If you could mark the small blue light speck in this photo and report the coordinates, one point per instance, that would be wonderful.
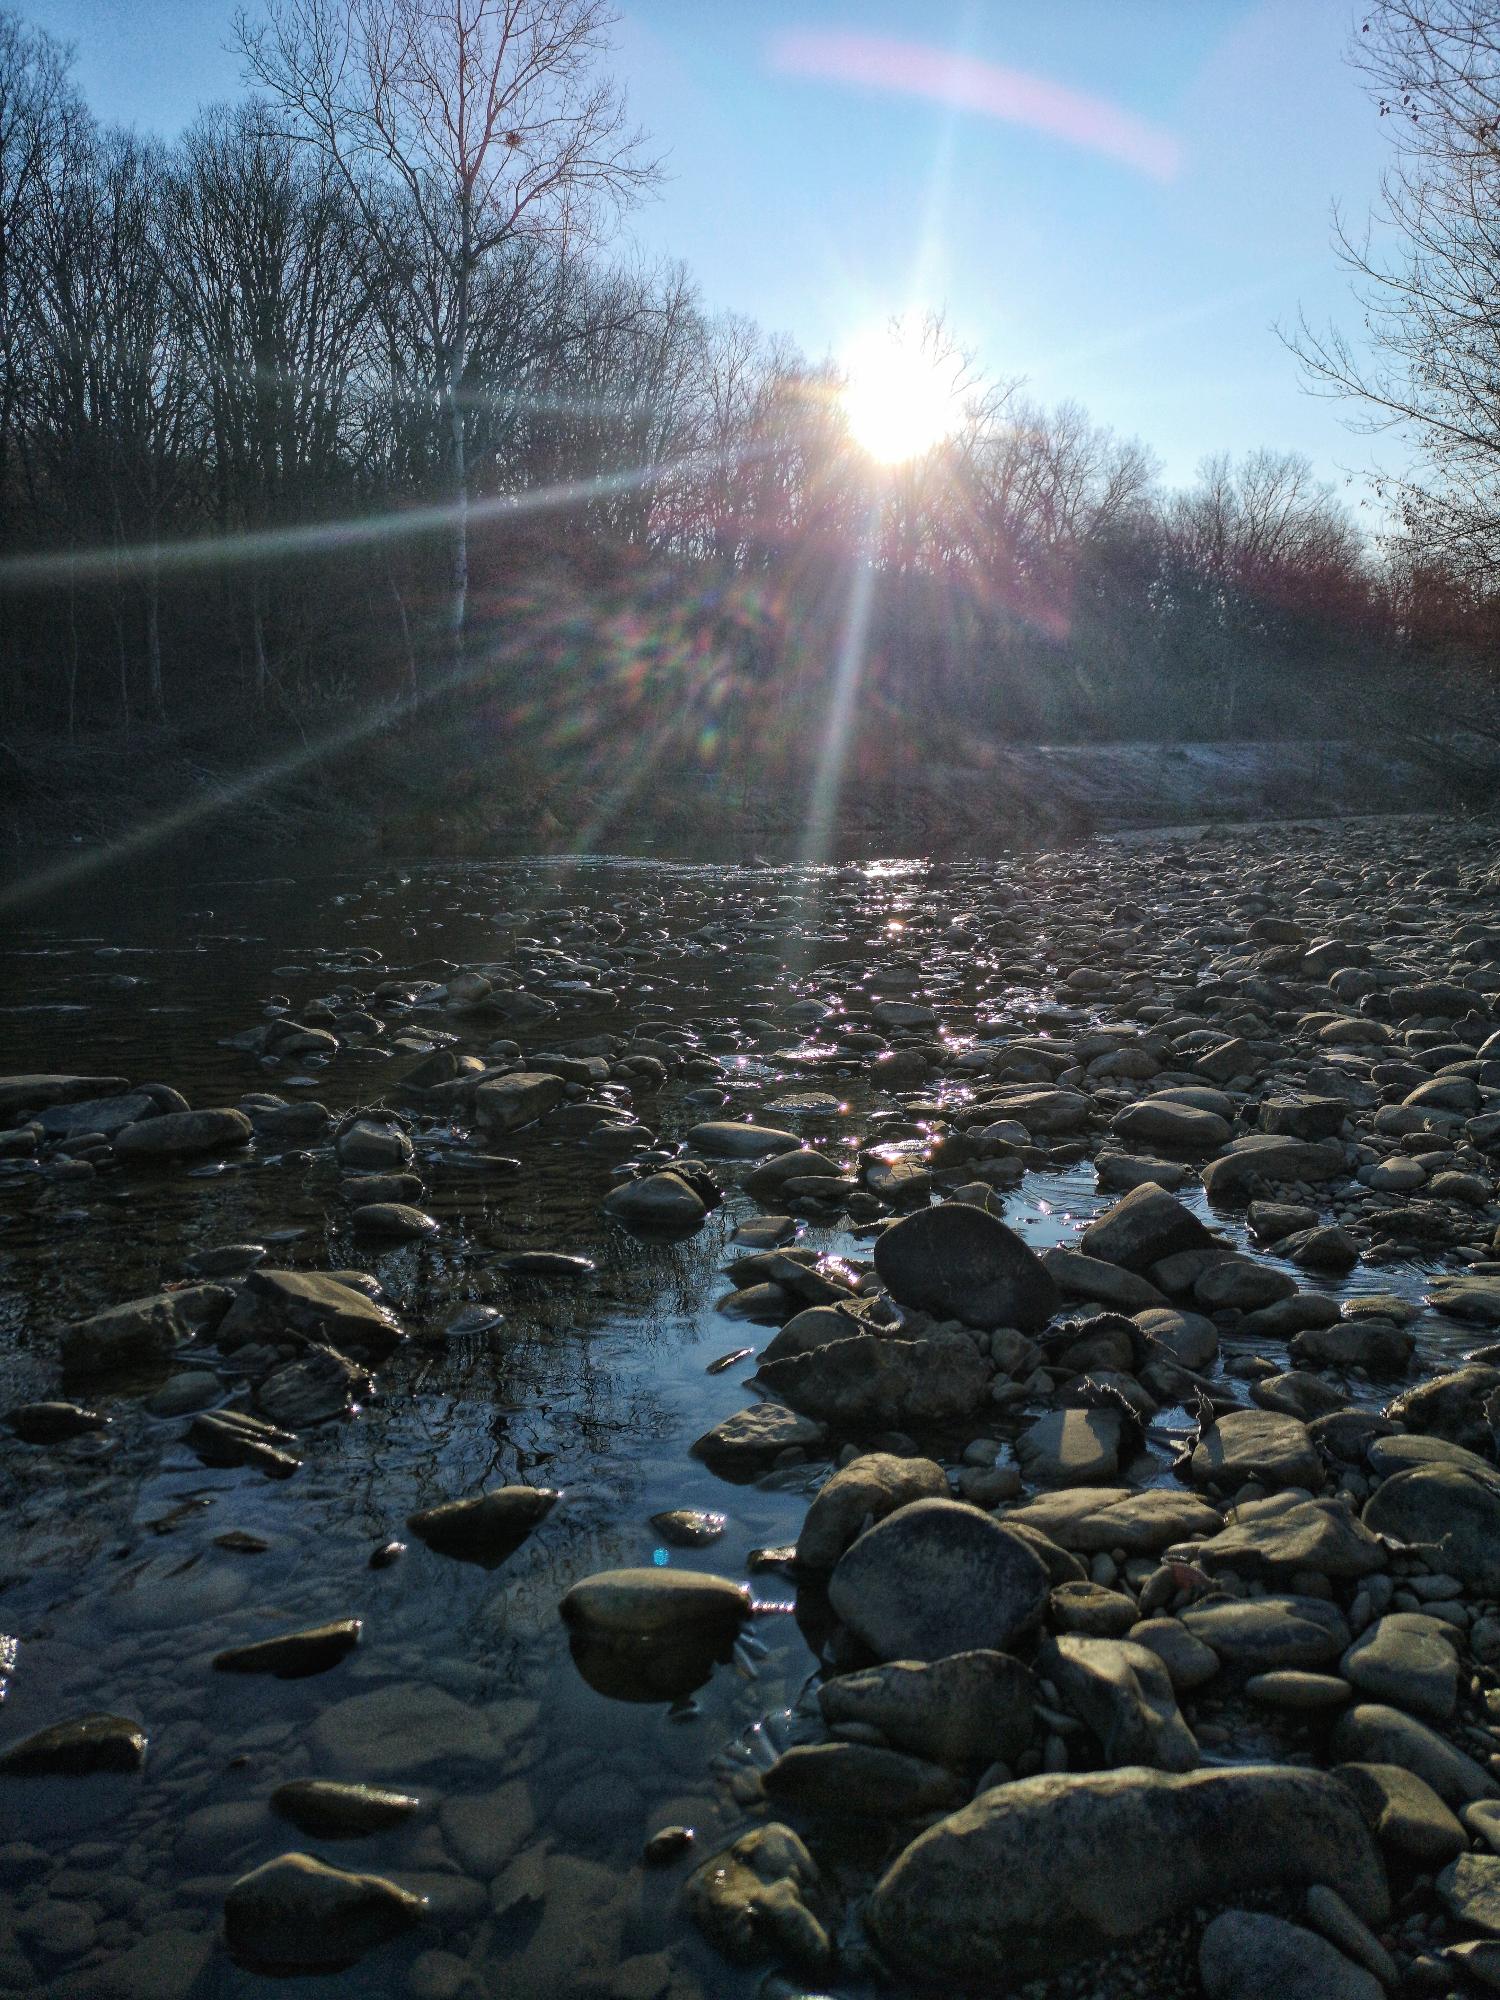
(660, 1558)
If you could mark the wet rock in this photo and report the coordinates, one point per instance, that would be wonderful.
(395, 1220)
(869, 1382)
(1124, 1695)
(140, 1331)
(1376, 1345)
(1256, 1444)
(299, 1913)
(1406, 1660)
(769, 1180)
(1049, 1869)
(689, 1527)
(859, 1778)
(484, 1528)
(728, 1140)
(372, 1144)
(858, 1494)
(224, 1260)
(234, 1437)
(1451, 1407)
(1241, 1284)
(969, 1708)
(77, 1749)
(1146, 1226)
(314, 1305)
(1405, 1814)
(656, 1201)
(52, 1423)
(745, 1442)
(650, 1604)
(1474, 1299)
(1375, 1734)
(314, 1389)
(937, 1577)
(103, 1115)
(405, 1731)
(1247, 1954)
(294, 1655)
(333, 1811)
(1263, 1634)
(760, 1899)
(181, 1135)
(956, 1262)
(1451, 1510)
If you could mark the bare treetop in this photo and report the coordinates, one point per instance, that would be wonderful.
(491, 114)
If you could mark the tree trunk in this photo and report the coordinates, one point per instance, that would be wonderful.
(258, 642)
(459, 601)
(411, 657)
(153, 644)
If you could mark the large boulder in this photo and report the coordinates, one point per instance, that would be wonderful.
(761, 1898)
(937, 1577)
(1236, 1174)
(1256, 1444)
(957, 1262)
(1451, 1406)
(141, 1331)
(1096, 1520)
(1287, 1532)
(725, 1139)
(1048, 1869)
(1161, 1121)
(1452, 1511)
(21, 1096)
(1146, 1226)
(484, 1528)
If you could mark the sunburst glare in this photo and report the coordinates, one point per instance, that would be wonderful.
(902, 393)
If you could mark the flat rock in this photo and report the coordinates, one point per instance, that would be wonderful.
(1470, 1887)
(334, 1811)
(1160, 1121)
(1049, 1869)
(506, 1103)
(1116, 1517)
(656, 1201)
(1257, 1635)
(727, 1139)
(755, 1435)
(294, 1655)
(1287, 1532)
(648, 1604)
(935, 1578)
(1256, 1444)
(1072, 1447)
(859, 1778)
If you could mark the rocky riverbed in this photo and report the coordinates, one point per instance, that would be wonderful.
(634, 1431)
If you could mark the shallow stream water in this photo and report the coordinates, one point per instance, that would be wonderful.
(542, 1788)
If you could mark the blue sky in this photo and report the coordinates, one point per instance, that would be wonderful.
(804, 195)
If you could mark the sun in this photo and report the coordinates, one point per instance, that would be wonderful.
(899, 398)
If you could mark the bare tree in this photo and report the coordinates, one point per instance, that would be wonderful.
(1426, 270)
(458, 126)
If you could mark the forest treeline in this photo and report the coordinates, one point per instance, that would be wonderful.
(239, 343)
